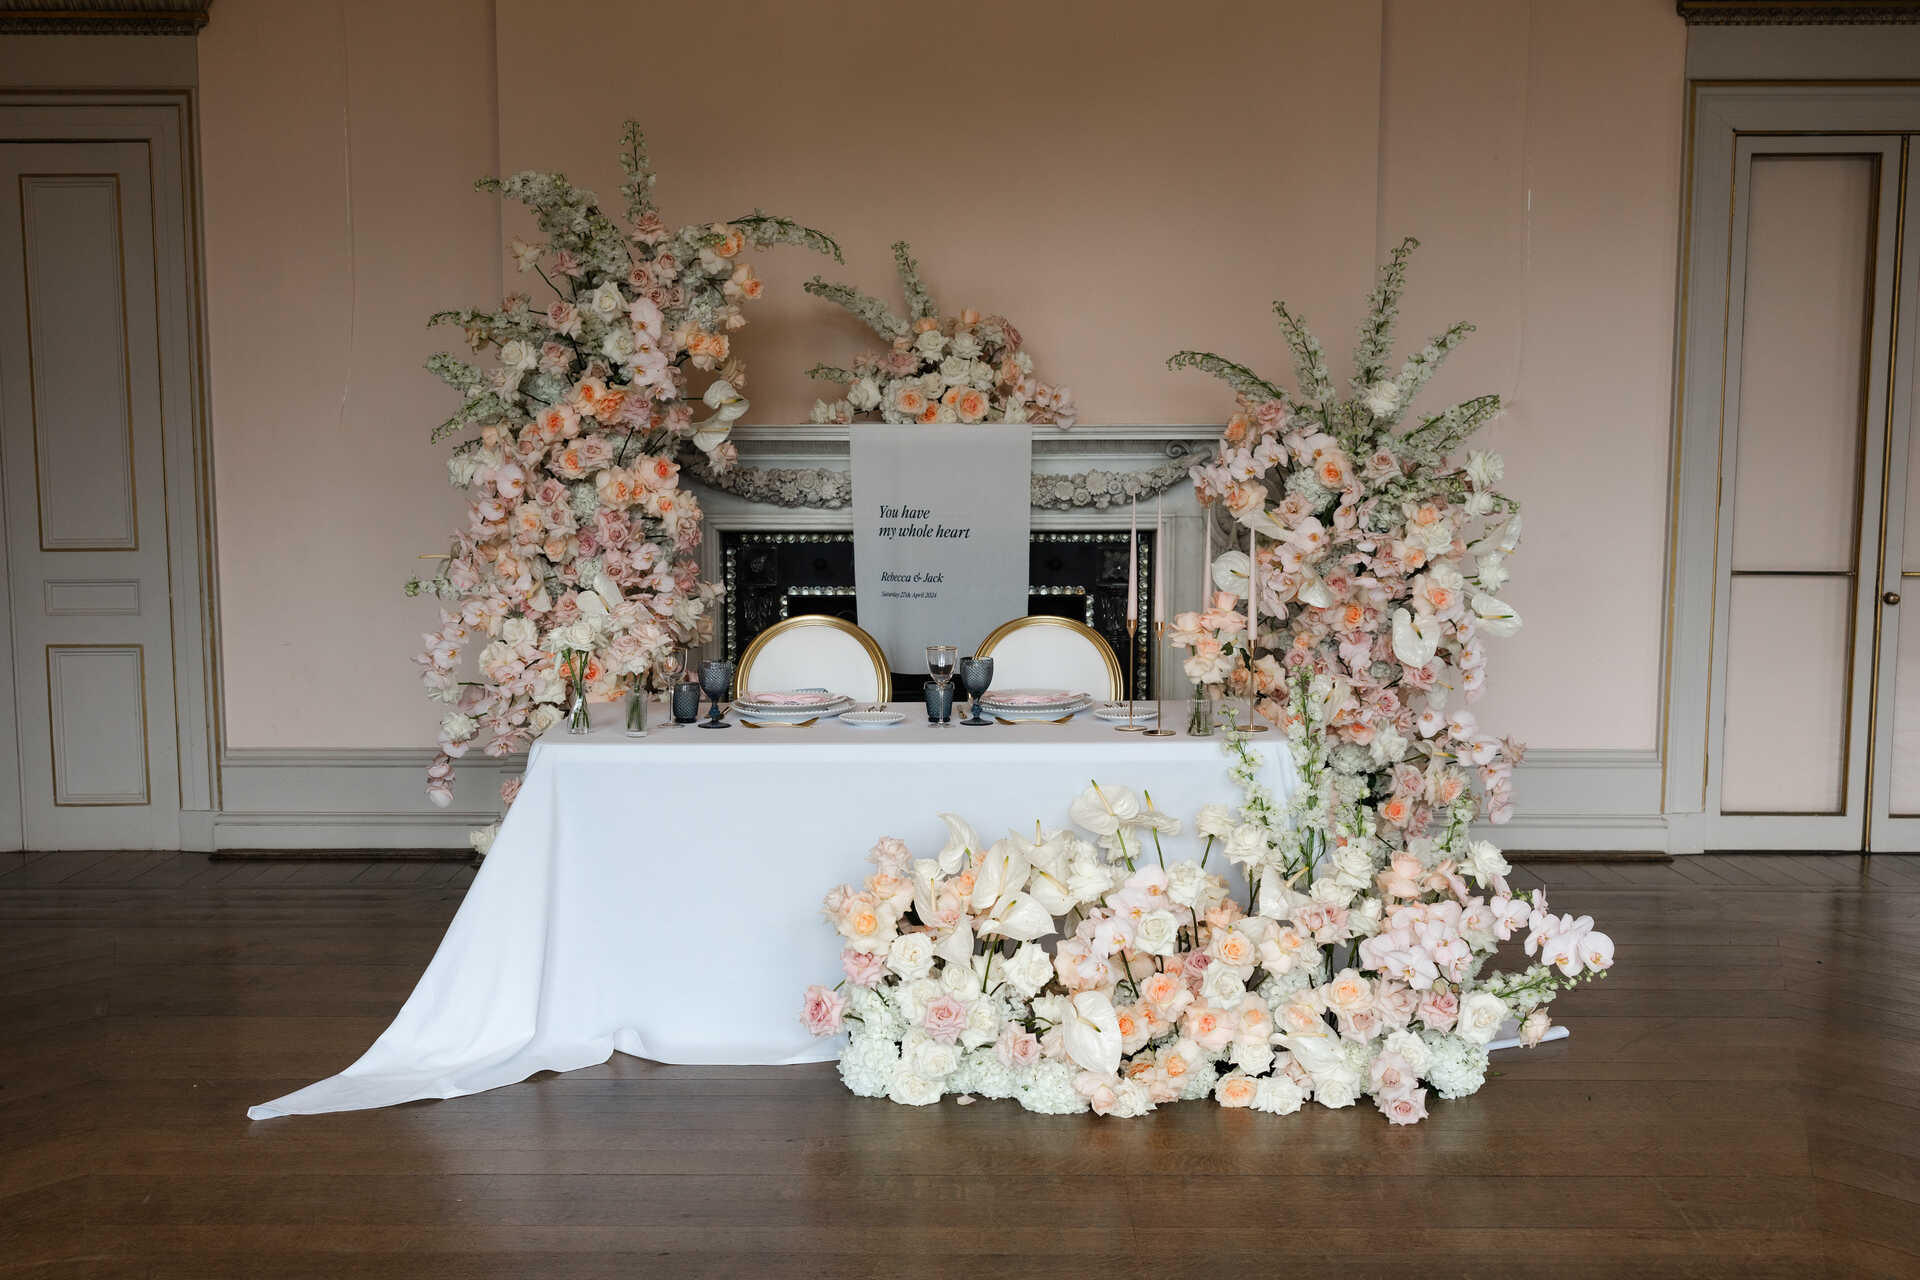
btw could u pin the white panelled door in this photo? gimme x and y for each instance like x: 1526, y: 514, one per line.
x: 81, y: 392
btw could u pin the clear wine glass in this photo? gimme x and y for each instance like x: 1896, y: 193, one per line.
x: 941, y: 659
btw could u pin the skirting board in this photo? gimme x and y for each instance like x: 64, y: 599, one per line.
x: 375, y: 799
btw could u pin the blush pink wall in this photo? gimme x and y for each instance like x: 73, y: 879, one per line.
x: 1120, y: 183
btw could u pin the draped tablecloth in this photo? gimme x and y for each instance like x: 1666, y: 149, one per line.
x: 660, y: 896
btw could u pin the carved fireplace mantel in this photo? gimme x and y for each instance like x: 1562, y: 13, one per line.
x: 778, y: 527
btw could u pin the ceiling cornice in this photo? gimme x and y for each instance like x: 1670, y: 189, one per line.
x: 1797, y: 13
x: 111, y: 18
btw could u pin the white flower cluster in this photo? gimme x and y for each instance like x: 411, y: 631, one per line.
x: 1160, y: 986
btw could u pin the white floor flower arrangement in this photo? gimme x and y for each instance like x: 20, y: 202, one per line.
x: 1095, y: 969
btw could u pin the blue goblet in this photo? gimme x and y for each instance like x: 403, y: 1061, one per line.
x: 976, y: 674
x: 716, y: 677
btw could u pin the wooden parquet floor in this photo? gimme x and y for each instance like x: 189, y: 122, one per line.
x: 1741, y: 1098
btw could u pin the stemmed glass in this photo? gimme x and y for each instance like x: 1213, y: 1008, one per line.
x: 976, y: 674
x: 940, y: 663
x: 716, y: 677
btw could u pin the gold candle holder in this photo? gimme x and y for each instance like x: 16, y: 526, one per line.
x: 1159, y: 729
x: 1133, y: 649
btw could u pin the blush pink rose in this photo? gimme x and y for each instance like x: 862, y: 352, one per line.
x: 946, y: 1018
x: 1017, y: 1048
x: 823, y: 1011
x: 1439, y: 1010
x: 1407, y: 1108
x: 863, y: 968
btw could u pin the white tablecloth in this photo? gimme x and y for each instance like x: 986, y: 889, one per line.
x: 661, y: 896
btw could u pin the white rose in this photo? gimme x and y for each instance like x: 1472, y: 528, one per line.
x: 1158, y: 933
x: 1246, y: 843
x: 1223, y: 986
x: 1480, y: 1017
x: 1028, y: 970
x: 607, y: 301
x: 955, y: 371
x: 1336, y: 1089
x: 910, y: 1090
x: 914, y: 997
x: 1382, y: 398
x: 911, y: 956
x: 1484, y: 468
x: 1214, y: 820
x: 864, y: 394
x: 930, y: 344
x: 922, y: 1055
x: 1412, y: 1049
x: 518, y: 355
x: 482, y: 839
x: 1186, y: 884
x: 519, y: 631
x: 1278, y: 1095
x: 965, y: 345
x: 543, y: 717
x: 458, y: 728
x: 983, y: 1025
x: 1485, y: 861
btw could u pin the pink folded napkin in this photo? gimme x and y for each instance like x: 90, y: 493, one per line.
x: 787, y: 699
x: 1029, y: 697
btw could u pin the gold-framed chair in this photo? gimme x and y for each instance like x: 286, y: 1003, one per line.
x: 1044, y: 652
x: 814, y: 651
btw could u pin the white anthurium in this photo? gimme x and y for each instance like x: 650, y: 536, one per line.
x: 1416, y: 638
x: 1496, y: 617
x: 1316, y: 593
x: 1104, y: 810
x: 608, y: 590
x: 957, y: 947
x: 1053, y: 889
x: 1045, y: 850
x: 1002, y: 871
x: 1318, y: 1052
x: 728, y: 406
x: 1230, y: 572
x: 925, y: 872
x: 1091, y: 1033
x: 1018, y: 916
x: 961, y: 842
x: 1278, y: 899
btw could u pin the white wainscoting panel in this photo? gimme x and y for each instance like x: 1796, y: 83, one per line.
x: 374, y: 799
x: 96, y: 702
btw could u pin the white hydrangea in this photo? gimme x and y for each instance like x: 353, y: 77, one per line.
x: 868, y: 1064
x: 1049, y: 1090
x: 1200, y: 1081
x: 982, y: 1072
x: 1455, y: 1067
x: 1130, y: 1099
x: 877, y: 1014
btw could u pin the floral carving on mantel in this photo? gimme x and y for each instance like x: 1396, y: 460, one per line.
x: 828, y: 488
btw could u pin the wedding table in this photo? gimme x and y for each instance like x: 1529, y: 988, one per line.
x: 660, y: 896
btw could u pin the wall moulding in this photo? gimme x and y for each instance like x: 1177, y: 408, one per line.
x: 1797, y: 13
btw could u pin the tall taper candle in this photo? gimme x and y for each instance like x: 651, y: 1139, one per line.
x: 1159, y: 574
x: 1133, y: 561
x: 1206, y: 562
x: 1253, y: 609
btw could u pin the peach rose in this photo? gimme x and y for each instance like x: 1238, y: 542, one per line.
x: 1234, y: 1090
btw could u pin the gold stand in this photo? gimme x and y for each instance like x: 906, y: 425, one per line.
x: 1133, y: 624
x: 1159, y: 729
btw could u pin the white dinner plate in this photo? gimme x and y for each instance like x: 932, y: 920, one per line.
x: 872, y: 719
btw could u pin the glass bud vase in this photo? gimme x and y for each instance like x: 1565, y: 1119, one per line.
x: 575, y: 663
x: 1200, y: 713
x: 637, y: 709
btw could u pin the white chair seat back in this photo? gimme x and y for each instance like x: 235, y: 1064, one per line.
x: 813, y: 653
x: 1052, y: 653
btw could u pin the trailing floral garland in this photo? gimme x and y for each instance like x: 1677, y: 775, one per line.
x: 1162, y: 986
x: 578, y: 552
x: 964, y: 368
